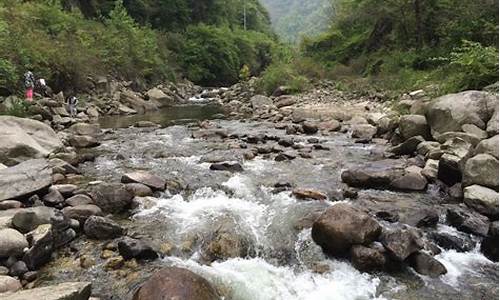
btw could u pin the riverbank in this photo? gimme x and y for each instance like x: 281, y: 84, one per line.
x: 248, y: 203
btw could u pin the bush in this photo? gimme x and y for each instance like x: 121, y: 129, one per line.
x: 281, y: 74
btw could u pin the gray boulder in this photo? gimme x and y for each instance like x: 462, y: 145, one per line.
x: 85, y: 129
x: 482, y: 169
x: 401, y: 243
x: 408, y: 147
x: 133, y: 248
x: 425, y: 264
x: 25, y: 179
x: 9, y: 284
x: 83, y: 141
x: 378, y: 174
x: 111, y: 197
x: 450, y: 112
x: 82, y: 212
x: 41, y: 242
x: 28, y: 219
x: 363, y: 131
x: 474, y: 130
x: 467, y: 221
x: 482, y: 199
x: 367, y: 258
x: 145, y: 178
x: 23, y: 139
x: 62, y: 291
x: 492, y: 126
x: 12, y: 243
x: 414, y: 125
x: 412, y: 180
x: 488, y: 146
x: 102, y: 228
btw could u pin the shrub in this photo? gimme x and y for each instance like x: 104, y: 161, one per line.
x: 281, y: 74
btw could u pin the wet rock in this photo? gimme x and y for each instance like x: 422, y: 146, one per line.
x: 155, y: 94
x: 227, y: 241
x: 309, y: 128
x: 83, y: 141
x: 467, y: 221
x: 378, y: 174
x: 102, y: 228
x: 24, y: 179
x: 367, y: 259
x: 41, y: 247
x: 401, y: 243
x: 227, y: 166
x: 145, y: 124
x: 328, y: 126
x: 53, y: 198
x: 63, y: 291
x: 85, y: 129
x: 22, y: 139
x: 450, y: 112
x: 9, y: 284
x: 426, y: 265
x: 12, y: 243
x: 308, y: 194
x: 414, y: 125
x: 82, y: 212
x: 488, y: 146
x: 455, y: 192
x: 364, y: 131
x: 482, y: 200
x: 489, y: 245
x: 10, y: 204
x: 18, y: 269
x: 286, y: 142
x: 79, y: 199
x: 145, y: 178
x: 114, y: 263
x: 60, y: 166
x: 425, y: 217
x: 139, y: 189
x: 408, y: 147
x: 176, y: 283
x: 342, y: 226
x: 389, y: 216
x: 413, y: 180
x: 430, y: 170
x: 132, y: 248
x: 284, y: 101
x: 427, y: 146
x: 482, y: 169
x: 451, y: 242
x: 67, y: 190
x: 449, y: 170
x: 111, y: 197
x: 285, y: 156
x: 29, y: 219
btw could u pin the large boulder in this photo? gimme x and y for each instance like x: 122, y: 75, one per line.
x: 450, y: 112
x: 157, y: 95
x: 342, y: 226
x: 83, y: 141
x: 412, y: 180
x: 12, y: 243
x: 62, y: 291
x: 28, y: 219
x: 489, y: 245
x: 145, y: 178
x: 133, y: 248
x: 414, y: 125
x: 367, y: 258
x: 363, y: 131
x: 41, y: 242
x: 111, y: 197
x: 130, y: 99
x: 482, y: 169
x: 102, y: 228
x: 25, y: 179
x: 379, y: 174
x: 425, y: 264
x: 259, y: 102
x: 23, y: 139
x: 8, y: 284
x: 492, y: 126
x: 488, y: 146
x: 407, y: 147
x: 176, y: 283
x: 482, y: 199
x: 401, y: 243
x: 467, y: 221
x: 85, y: 129
x: 82, y: 212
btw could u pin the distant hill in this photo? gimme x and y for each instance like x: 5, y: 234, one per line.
x: 295, y: 18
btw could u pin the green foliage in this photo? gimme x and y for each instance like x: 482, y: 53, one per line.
x: 282, y: 74
x: 245, y: 73
x: 16, y: 108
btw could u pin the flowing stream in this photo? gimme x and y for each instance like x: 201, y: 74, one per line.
x: 281, y: 261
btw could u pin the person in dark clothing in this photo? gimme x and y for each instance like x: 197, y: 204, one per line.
x: 29, y: 84
x: 72, y: 102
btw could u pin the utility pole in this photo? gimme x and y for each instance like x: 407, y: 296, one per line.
x: 245, y: 14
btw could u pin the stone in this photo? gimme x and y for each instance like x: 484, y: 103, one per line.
x: 63, y: 167
x: 85, y: 129
x: 467, y: 221
x: 79, y: 199
x: 158, y: 95
x: 482, y: 169
x: 482, y: 199
x: 306, y: 194
x: 82, y: 212
x: 285, y: 156
x: 227, y: 241
x: 10, y: 204
x: 145, y: 124
x: 176, y: 283
x: 9, y: 284
x: 401, y: 243
x: 408, y: 147
x: 427, y: 146
x: 488, y: 146
x: 342, y: 226
x: 22, y: 139
x: 261, y: 102
x: 414, y: 125
x: 41, y: 242
x: 67, y: 190
x: 139, y: 189
x: 367, y: 259
x: 309, y: 127
x: 468, y: 137
x: 111, y: 197
x: 53, y: 198
x: 62, y: 291
x: 423, y: 217
x: 102, y: 228
x: 363, y: 131
x: 411, y: 181
x: 492, y: 126
x: 227, y: 166
x: 452, y: 242
x: 449, y: 170
x: 329, y: 126
x: 430, y: 171
x: 114, y: 263
x: 284, y: 101
x: 474, y: 130
x: 427, y: 265
x: 450, y: 112
x: 83, y: 141
x: 12, y: 243
x: 28, y: 219
x: 145, y: 178
x: 377, y: 174
x: 133, y: 248
x: 25, y: 179
x: 489, y: 245
x: 18, y: 269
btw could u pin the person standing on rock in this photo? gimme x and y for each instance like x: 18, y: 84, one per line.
x: 29, y: 84
x: 72, y: 102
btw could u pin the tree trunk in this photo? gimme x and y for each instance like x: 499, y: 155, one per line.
x: 418, y: 23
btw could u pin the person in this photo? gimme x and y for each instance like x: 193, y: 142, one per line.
x: 29, y: 84
x: 72, y: 102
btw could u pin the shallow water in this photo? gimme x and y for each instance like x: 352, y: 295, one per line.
x: 282, y: 261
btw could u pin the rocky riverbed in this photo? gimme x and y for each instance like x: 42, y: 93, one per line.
x: 280, y: 198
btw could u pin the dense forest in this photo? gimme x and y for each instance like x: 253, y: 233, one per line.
x: 142, y: 40
x: 294, y: 19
